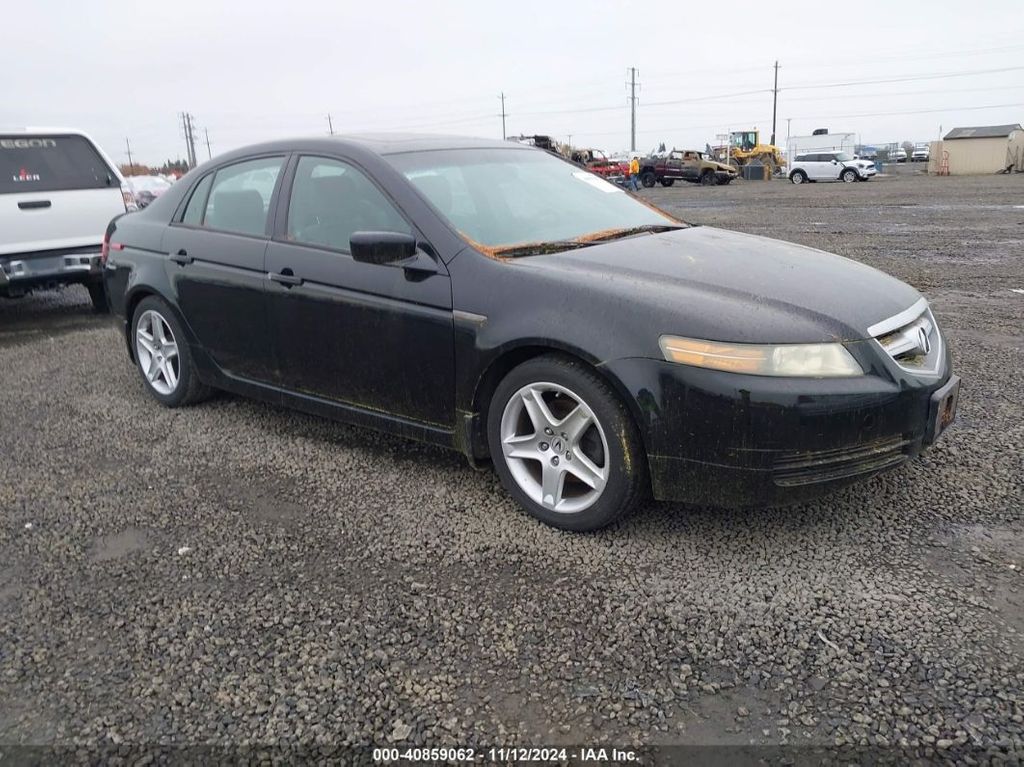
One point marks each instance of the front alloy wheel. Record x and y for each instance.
(554, 447)
(849, 175)
(564, 444)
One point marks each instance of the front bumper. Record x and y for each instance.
(736, 440)
(27, 271)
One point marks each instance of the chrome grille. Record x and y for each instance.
(912, 339)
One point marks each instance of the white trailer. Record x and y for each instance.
(824, 142)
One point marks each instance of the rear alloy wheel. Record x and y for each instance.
(798, 177)
(163, 357)
(849, 175)
(564, 445)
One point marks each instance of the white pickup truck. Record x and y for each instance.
(58, 192)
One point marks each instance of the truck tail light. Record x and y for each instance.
(106, 248)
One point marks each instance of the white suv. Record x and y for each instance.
(830, 166)
(58, 192)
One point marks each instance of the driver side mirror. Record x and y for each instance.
(381, 247)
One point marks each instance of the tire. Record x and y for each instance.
(667, 182)
(647, 179)
(798, 177)
(170, 378)
(707, 178)
(98, 296)
(849, 175)
(572, 396)
(725, 181)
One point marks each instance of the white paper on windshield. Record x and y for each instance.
(597, 183)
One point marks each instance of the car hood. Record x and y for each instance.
(726, 286)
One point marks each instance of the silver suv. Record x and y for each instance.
(58, 192)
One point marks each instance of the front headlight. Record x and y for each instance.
(804, 360)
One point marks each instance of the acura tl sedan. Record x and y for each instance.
(492, 298)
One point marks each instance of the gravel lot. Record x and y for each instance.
(236, 573)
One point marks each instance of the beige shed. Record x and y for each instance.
(982, 149)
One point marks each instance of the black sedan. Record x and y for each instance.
(492, 298)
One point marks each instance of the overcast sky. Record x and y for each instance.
(250, 71)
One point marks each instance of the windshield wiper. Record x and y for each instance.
(615, 234)
(538, 248)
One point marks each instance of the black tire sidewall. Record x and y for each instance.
(186, 369)
(798, 174)
(624, 487)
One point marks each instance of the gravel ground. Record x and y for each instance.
(236, 573)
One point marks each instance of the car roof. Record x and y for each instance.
(384, 143)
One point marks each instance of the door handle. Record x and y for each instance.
(285, 277)
(182, 257)
(34, 204)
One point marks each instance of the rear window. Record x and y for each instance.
(51, 163)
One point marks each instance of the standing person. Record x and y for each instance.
(634, 173)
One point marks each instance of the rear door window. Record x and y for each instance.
(51, 163)
(240, 198)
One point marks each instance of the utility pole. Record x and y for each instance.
(330, 124)
(190, 139)
(502, 97)
(128, 144)
(788, 121)
(775, 100)
(209, 152)
(184, 128)
(632, 109)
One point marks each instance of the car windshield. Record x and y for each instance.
(844, 157)
(503, 199)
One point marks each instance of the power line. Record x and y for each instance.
(811, 86)
(913, 112)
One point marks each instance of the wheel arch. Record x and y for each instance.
(135, 296)
(511, 357)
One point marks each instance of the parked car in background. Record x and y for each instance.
(684, 165)
(58, 191)
(921, 153)
(598, 162)
(147, 188)
(898, 155)
(830, 166)
(500, 301)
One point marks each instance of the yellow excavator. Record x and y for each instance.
(745, 147)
